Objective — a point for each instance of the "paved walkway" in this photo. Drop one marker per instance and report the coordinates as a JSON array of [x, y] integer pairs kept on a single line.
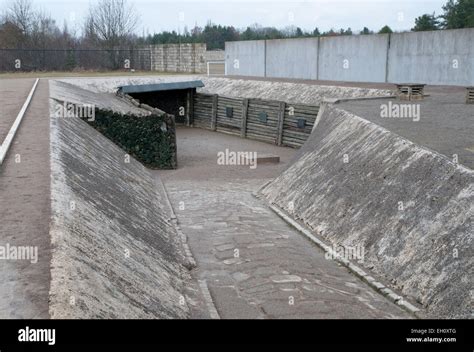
[[25, 205], [255, 265]]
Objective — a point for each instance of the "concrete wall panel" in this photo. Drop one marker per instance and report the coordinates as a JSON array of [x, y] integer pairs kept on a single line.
[[292, 58], [438, 57], [360, 58], [245, 58]]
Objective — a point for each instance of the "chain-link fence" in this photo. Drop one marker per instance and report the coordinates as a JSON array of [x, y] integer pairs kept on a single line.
[[74, 59]]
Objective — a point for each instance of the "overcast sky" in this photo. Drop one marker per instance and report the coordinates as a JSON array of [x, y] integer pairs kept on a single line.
[[158, 15]]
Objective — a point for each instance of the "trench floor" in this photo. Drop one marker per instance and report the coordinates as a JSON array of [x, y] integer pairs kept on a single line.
[[254, 264]]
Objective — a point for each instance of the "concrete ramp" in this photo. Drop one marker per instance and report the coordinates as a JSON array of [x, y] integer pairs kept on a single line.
[[355, 183], [70, 93], [114, 252]]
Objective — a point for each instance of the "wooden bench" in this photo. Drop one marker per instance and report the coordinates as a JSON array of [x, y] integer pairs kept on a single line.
[[470, 95], [410, 91], [265, 159]]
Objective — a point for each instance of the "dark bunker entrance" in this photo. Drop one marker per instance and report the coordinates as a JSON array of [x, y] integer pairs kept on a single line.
[[174, 98]]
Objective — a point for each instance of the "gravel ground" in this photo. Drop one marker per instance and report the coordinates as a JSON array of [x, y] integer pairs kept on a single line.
[[197, 156], [446, 122]]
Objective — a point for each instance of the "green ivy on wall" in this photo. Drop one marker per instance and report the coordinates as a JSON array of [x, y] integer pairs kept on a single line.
[[149, 139]]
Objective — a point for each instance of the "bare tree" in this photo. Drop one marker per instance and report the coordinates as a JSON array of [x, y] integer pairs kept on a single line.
[[112, 22], [21, 13]]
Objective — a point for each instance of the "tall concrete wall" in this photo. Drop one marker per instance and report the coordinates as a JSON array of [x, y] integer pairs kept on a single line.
[[359, 58], [215, 55], [292, 58], [185, 58], [410, 209], [438, 57], [245, 58]]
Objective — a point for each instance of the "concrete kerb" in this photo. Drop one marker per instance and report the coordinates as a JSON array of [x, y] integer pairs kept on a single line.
[[359, 272], [208, 298], [190, 261]]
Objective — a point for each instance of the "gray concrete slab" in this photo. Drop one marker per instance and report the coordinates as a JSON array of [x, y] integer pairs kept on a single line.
[[115, 252], [408, 209]]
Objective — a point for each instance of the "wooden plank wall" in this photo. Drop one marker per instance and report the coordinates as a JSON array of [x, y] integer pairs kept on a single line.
[[202, 110], [292, 135], [258, 130], [281, 127], [226, 124]]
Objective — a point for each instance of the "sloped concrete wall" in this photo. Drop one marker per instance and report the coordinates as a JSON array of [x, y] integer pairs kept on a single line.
[[245, 58], [74, 94], [292, 58], [423, 245], [115, 254], [291, 92], [437, 57]]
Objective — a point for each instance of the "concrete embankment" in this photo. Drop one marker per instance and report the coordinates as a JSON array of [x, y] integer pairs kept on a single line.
[[300, 93], [285, 91], [69, 93], [114, 252], [355, 183]]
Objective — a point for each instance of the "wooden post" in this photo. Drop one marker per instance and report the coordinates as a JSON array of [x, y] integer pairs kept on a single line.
[[470, 95], [281, 118], [190, 107], [245, 109], [214, 112]]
